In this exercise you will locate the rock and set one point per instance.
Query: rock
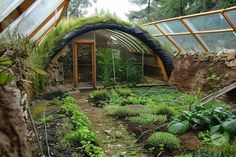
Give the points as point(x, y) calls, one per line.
point(231, 56)
point(232, 63)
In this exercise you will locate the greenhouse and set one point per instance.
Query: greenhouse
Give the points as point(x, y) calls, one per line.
point(79, 85)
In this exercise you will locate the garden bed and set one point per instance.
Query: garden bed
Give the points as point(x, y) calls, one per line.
point(146, 111)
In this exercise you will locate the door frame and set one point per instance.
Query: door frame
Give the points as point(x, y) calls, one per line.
point(75, 61)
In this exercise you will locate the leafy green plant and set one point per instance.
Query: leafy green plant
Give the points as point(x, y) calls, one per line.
point(213, 80)
point(45, 119)
point(104, 65)
point(147, 119)
point(99, 96)
point(216, 119)
point(168, 140)
point(125, 92)
point(81, 132)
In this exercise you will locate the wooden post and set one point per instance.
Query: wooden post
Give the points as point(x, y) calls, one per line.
point(162, 67)
point(75, 64)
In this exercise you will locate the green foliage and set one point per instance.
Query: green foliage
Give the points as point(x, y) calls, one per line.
point(120, 111)
point(5, 78)
point(225, 150)
point(18, 60)
point(165, 110)
point(81, 132)
point(151, 10)
point(178, 127)
point(125, 69)
point(124, 92)
point(230, 126)
point(78, 8)
point(99, 95)
point(68, 25)
point(219, 120)
point(168, 140)
point(147, 119)
point(45, 119)
point(213, 80)
point(104, 65)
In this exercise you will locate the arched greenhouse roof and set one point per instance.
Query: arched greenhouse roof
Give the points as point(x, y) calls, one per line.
point(132, 37)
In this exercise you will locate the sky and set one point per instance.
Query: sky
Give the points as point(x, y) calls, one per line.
point(120, 7)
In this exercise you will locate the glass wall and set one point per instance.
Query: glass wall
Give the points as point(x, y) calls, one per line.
point(204, 32)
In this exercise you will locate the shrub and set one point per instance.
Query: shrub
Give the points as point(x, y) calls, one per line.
point(146, 119)
point(165, 110)
point(99, 95)
point(120, 111)
point(167, 140)
point(123, 92)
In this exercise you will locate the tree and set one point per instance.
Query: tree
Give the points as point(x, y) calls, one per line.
point(78, 8)
point(153, 10)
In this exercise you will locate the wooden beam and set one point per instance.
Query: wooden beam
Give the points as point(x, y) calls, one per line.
point(162, 67)
point(193, 15)
point(46, 20)
point(16, 13)
point(228, 20)
point(169, 38)
point(205, 48)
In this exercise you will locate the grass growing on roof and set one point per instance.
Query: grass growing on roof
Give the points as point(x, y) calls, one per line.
point(69, 24)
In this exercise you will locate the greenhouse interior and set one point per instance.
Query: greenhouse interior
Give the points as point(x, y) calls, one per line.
point(157, 80)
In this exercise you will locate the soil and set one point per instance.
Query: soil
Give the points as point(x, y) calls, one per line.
point(55, 149)
point(189, 141)
point(117, 137)
point(101, 122)
point(192, 70)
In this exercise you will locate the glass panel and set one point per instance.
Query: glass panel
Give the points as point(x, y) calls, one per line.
point(232, 16)
point(45, 27)
point(188, 43)
point(153, 30)
point(208, 22)
point(34, 16)
point(220, 41)
point(166, 43)
point(173, 27)
point(7, 6)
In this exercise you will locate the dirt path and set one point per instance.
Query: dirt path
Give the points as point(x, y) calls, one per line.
point(113, 136)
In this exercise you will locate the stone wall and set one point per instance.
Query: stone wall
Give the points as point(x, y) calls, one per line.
point(205, 71)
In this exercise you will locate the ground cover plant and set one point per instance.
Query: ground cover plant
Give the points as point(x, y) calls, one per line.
point(65, 130)
point(170, 111)
point(81, 132)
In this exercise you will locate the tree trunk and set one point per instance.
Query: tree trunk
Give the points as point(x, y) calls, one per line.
point(181, 8)
point(204, 5)
point(12, 125)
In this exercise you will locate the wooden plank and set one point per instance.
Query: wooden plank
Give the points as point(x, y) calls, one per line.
point(205, 48)
point(169, 38)
point(94, 65)
point(229, 20)
point(217, 94)
point(55, 23)
point(193, 15)
point(46, 20)
point(16, 13)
